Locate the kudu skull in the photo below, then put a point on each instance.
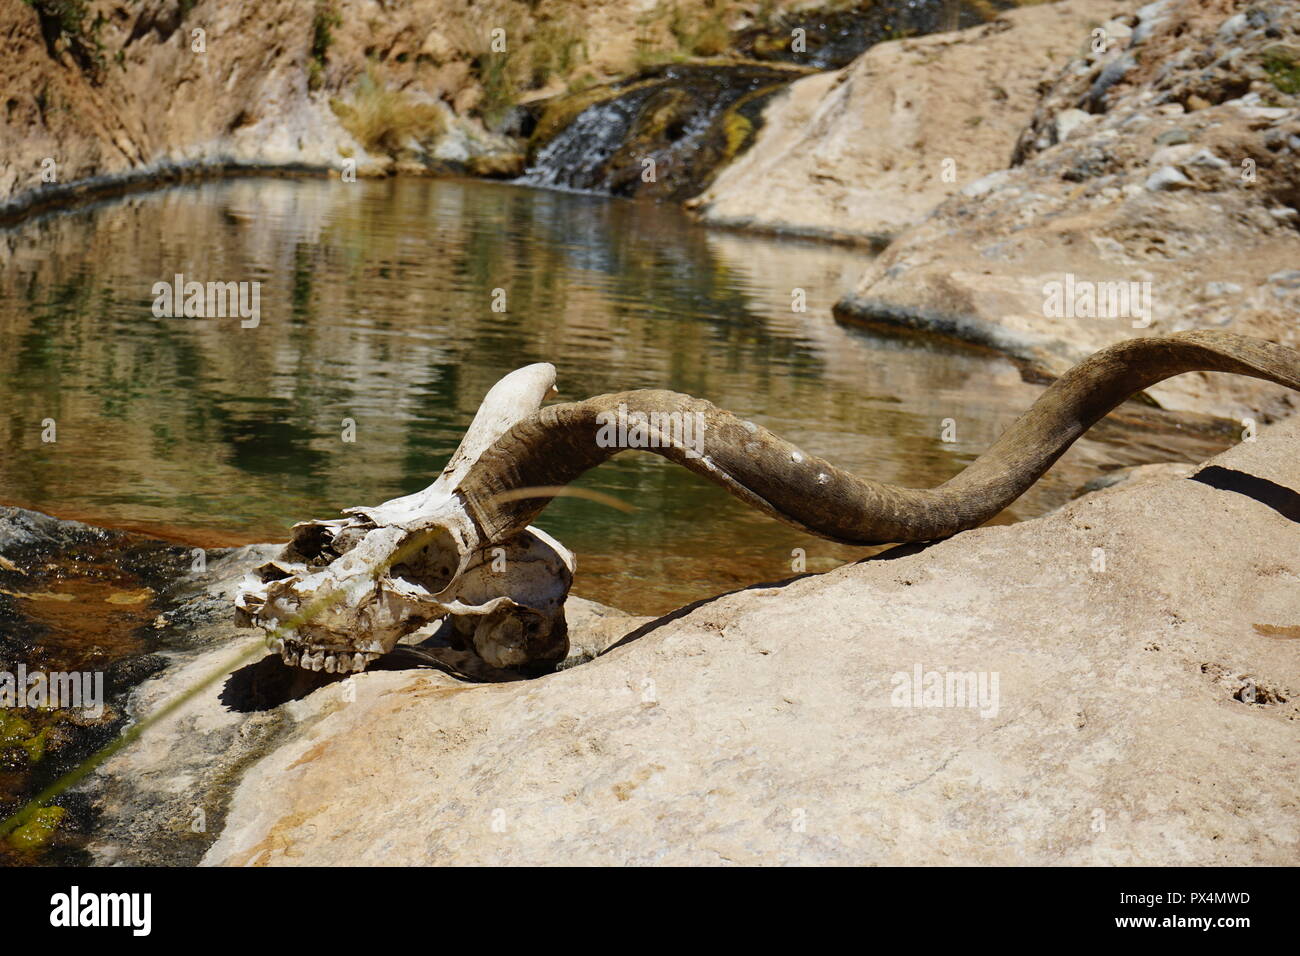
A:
(344, 591)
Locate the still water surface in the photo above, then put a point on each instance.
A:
(376, 306)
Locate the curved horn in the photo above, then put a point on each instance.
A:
(557, 444)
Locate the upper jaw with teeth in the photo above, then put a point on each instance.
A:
(330, 660)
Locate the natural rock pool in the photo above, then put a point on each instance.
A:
(376, 305)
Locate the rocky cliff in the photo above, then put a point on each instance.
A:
(1165, 170)
(98, 91)
(104, 93)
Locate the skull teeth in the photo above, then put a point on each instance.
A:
(316, 659)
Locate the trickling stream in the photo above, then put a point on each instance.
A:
(661, 135)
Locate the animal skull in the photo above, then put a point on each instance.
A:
(346, 590)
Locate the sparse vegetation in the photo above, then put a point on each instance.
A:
(499, 75)
(672, 33)
(1284, 72)
(324, 21)
(649, 53)
(383, 120)
(554, 48)
(700, 32)
(68, 22)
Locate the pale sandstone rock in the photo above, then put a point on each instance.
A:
(1150, 191)
(1068, 122)
(759, 728)
(860, 152)
(1167, 177)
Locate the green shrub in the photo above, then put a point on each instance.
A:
(325, 21)
(66, 21)
(554, 49)
(700, 33)
(1284, 72)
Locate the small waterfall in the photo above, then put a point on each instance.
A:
(676, 116)
(575, 159)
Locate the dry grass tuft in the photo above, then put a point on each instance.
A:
(384, 119)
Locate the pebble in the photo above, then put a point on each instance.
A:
(1264, 112)
(1233, 26)
(1117, 29)
(1172, 155)
(1067, 121)
(1167, 177)
(985, 184)
(1149, 17)
(1114, 71)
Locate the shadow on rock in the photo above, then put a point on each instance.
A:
(268, 683)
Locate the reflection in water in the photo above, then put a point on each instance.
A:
(376, 306)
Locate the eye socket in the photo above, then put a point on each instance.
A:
(433, 561)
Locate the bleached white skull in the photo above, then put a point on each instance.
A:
(346, 590)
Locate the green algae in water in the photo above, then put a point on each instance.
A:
(17, 731)
(13, 729)
(38, 830)
(738, 130)
(35, 745)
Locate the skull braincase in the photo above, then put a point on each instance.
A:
(345, 590)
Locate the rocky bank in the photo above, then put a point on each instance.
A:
(103, 94)
(1167, 164)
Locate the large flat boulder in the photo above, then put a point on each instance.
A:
(860, 152)
(1136, 651)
